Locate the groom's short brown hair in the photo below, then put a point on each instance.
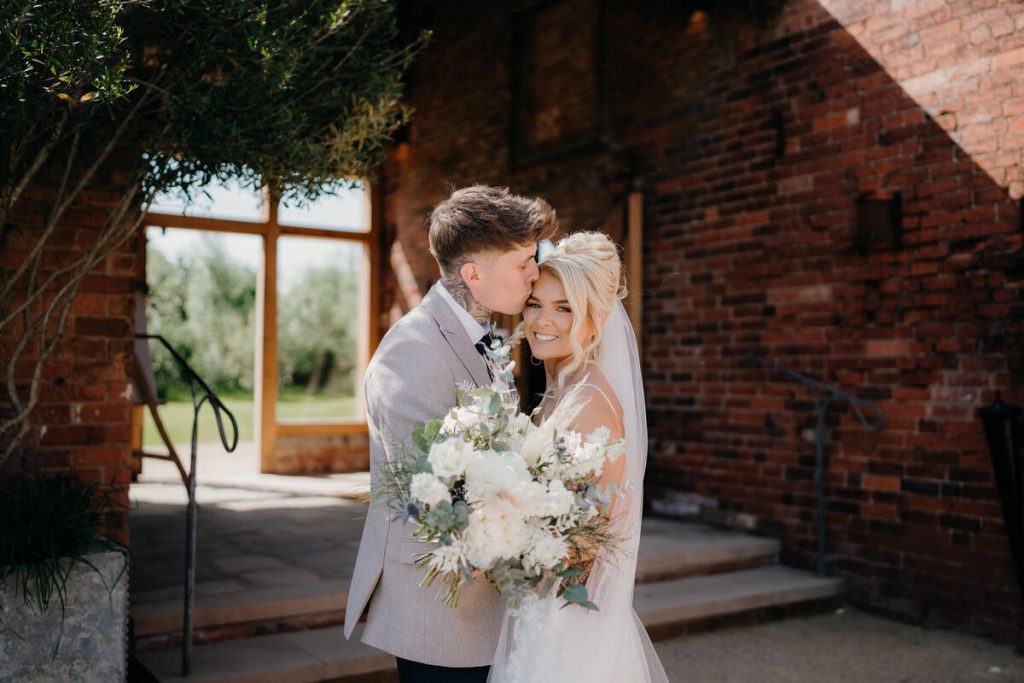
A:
(482, 218)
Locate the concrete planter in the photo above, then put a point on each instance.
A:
(94, 645)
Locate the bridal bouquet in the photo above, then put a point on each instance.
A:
(503, 497)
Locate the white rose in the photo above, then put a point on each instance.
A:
(429, 489)
(459, 420)
(448, 458)
(469, 416)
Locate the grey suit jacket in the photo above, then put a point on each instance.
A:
(412, 379)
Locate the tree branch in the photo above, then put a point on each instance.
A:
(62, 207)
(113, 238)
(41, 157)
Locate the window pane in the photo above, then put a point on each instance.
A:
(346, 211)
(202, 300)
(227, 200)
(321, 324)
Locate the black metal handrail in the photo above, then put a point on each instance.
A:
(824, 395)
(200, 396)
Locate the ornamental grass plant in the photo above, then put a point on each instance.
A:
(49, 524)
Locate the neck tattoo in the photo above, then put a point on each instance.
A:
(460, 292)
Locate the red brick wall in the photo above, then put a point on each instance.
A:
(83, 421)
(753, 139)
(322, 454)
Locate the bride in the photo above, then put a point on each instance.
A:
(575, 322)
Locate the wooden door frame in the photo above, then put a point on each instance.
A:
(265, 391)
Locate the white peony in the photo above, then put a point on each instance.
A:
(545, 550)
(489, 474)
(448, 458)
(429, 489)
(496, 530)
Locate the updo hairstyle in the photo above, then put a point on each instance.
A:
(590, 270)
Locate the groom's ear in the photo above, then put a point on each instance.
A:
(470, 273)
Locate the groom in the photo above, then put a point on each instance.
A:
(484, 240)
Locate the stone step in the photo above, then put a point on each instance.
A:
(301, 657)
(666, 608)
(220, 615)
(668, 550)
(669, 608)
(671, 549)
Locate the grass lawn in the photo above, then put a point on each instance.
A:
(292, 404)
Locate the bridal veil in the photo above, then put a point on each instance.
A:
(543, 642)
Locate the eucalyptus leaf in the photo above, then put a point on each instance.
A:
(427, 435)
(577, 595)
(460, 511)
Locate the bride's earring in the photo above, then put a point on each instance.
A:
(536, 362)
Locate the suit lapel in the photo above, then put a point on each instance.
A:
(455, 334)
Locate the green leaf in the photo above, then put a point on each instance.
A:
(427, 435)
(422, 464)
(441, 517)
(577, 595)
(461, 511)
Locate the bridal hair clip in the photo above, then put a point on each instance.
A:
(544, 248)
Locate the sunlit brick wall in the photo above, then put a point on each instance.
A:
(753, 138)
(83, 421)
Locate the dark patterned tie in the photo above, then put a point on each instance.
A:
(481, 347)
(484, 343)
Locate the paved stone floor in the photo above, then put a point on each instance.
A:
(254, 531)
(263, 531)
(848, 646)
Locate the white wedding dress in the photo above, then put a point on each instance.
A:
(540, 641)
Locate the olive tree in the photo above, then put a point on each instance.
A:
(167, 96)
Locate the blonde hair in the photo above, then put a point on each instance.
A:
(590, 270)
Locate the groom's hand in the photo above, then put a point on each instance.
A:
(476, 574)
